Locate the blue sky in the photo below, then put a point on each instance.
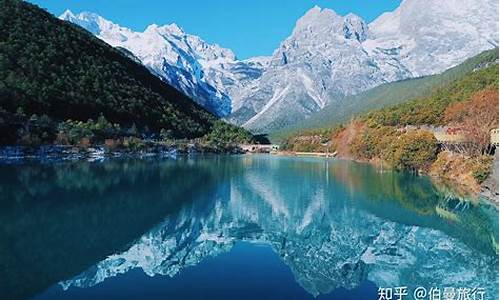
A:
(248, 27)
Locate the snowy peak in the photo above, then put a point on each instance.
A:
(317, 19)
(163, 35)
(98, 25)
(414, 16)
(326, 21)
(170, 29)
(67, 15)
(326, 57)
(329, 56)
(87, 20)
(355, 28)
(317, 33)
(434, 35)
(180, 59)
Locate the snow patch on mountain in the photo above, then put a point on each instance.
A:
(323, 60)
(345, 55)
(205, 72)
(434, 35)
(327, 57)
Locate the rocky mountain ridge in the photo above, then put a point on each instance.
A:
(326, 58)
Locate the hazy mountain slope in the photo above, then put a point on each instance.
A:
(50, 67)
(328, 56)
(393, 93)
(373, 134)
(322, 60)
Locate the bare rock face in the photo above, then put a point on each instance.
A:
(329, 56)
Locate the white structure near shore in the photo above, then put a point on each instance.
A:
(257, 148)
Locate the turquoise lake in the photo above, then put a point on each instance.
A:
(236, 227)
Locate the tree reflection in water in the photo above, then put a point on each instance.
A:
(334, 223)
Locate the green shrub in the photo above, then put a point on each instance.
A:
(482, 168)
(414, 150)
(430, 110)
(96, 131)
(373, 142)
(317, 140)
(223, 133)
(133, 144)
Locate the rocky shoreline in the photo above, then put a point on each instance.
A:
(54, 153)
(68, 153)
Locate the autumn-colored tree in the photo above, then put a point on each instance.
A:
(477, 116)
(373, 142)
(454, 112)
(414, 150)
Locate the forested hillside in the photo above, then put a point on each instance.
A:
(52, 71)
(404, 136)
(431, 110)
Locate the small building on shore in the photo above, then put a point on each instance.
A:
(257, 148)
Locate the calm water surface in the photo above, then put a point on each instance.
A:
(240, 227)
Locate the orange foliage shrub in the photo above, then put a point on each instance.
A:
(477, 116)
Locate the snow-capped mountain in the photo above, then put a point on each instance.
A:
(321, 61)
(206, 72)
(326, 57)
(431, 36)
(329, 56)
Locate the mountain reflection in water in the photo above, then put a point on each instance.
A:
(334, 224)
